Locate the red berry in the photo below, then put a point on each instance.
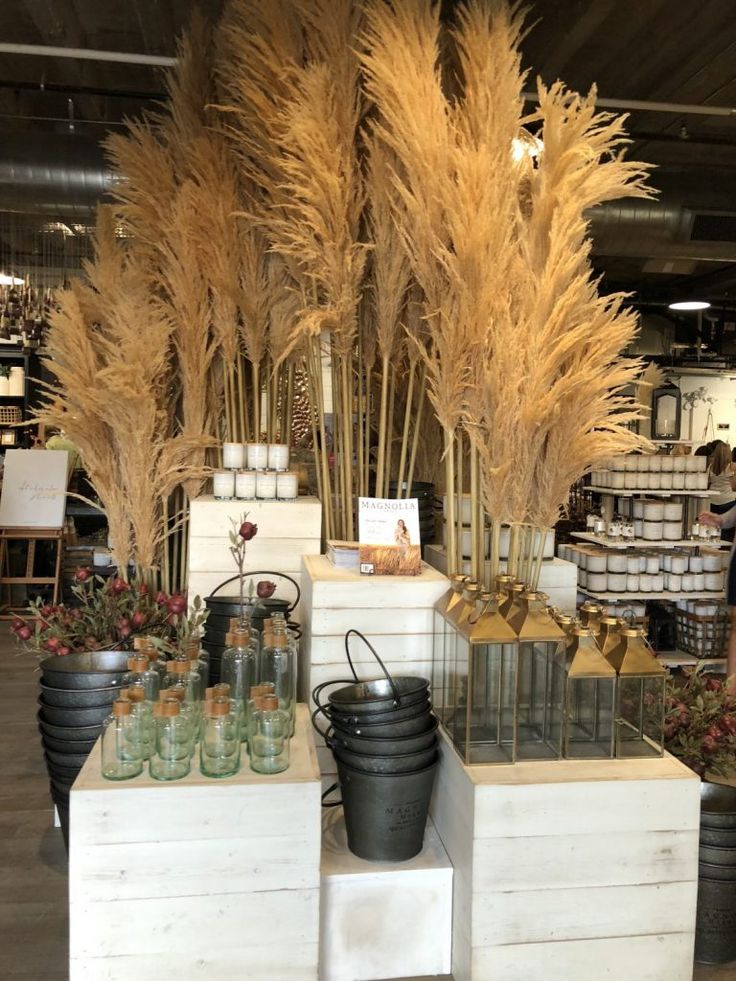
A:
(161, 598)
(708, 744)
(124, 632)
(265, 589)
(24, 633)
(248, 531)
(82, 575)
(52, 644)
(728, 723)
(16, 625)
(177, 603)
(715, 732)
(143, 589)
(63, 651)
(138, 619)
(119, 586)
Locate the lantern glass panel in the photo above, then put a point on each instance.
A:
(541, 701)
(439, 669)
(590, 699)
(640, 716)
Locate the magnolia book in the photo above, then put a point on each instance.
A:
(389, 537)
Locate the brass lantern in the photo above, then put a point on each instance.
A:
(512, 602)
(608, 634)
(640, 697)
(590, 697)
(541, 684)
(591, 615)
(480, 700)
(441, 635)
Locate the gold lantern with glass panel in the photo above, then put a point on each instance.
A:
(640, 697)
(590, 698)
(591, 615)
(608, 634)
(441, 640)
(541, 684)
(479, 682)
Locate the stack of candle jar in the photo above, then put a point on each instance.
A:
(636, 471)
(255, 471)
(603, 570)
(166, 708)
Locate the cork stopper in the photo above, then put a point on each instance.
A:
(123, 694)
(222, 690)
(269, 703)
(158, 710)
(209, 692)
(179, 667)
(278, 641)
(139, 663)
(120, 707)
(257, 691)
(170, 708)
(176, 691)
(193, 645)
(136, 693)
(237, 637)
(219, 707)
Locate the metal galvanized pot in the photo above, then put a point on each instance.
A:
(715, 928)
(68, 733)
(372, 718)
(71, 716)
(97, 669)
(395, 730)
(406, 763)
(78, 697)
(382, 746)
(68, 747)
(385, 813)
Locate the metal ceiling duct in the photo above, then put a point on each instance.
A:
(53, 174)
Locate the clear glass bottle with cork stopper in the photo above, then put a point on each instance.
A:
(268, 738)
(187, 710)
(122, 753)
(183, 672)
(142, 710)
(156, 656)
(278, 667)
(219, 751)
(239, 669)
(140, 671)
(222, 690)
(171, 759)
(199, 657)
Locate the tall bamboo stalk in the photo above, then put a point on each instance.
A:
(449, 453)
(408, 411)
(390, 430)
(417, 427)
(381, 459)
(476, 557)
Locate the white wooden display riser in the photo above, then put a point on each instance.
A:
(394, 612)
(381, 919)
(214, 876)
(558, 578)
(286, 531)
(561, 865)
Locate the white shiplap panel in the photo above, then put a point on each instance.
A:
(265, 962)
(340, 589)
(232, 865)
(548, 916)
(332, 623)
(279, 554)
(595, 859)
(393, 649)
(194, 924)
(658, 957)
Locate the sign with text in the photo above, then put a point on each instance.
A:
(388, 531)
(34, 489)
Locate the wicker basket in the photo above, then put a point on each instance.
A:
(9, 414)
(703, 636)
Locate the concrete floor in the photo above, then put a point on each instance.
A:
(33, 881)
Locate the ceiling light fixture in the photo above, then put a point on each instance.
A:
(689, 305)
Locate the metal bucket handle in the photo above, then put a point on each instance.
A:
(318, 689)
(265, 572)
(326, 734)
(331, 790)
(374, 652)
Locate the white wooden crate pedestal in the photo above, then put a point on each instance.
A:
(383, 919)
(197, 878)
(394, 612)
(569, 870)
(558, 578)
(286, 531)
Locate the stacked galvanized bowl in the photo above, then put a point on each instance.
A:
(76, 695)
(384, 739)
(715, 933)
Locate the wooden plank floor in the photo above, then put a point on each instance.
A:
(33, 880)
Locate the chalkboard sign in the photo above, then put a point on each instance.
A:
(34, 489)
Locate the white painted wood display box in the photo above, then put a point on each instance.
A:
(198, 878)
(286, 531)
(394, 612)
(570, 870)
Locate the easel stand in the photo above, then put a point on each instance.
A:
(30, 536)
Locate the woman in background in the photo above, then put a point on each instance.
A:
(720, 480)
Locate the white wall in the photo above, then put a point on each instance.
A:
(723, 409)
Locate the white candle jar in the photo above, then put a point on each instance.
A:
(631, 462)
(265, 485)
(223, 485)
(652, 564)
(652, 531)
(678, 464)
(671, 530)
(672, 511)
(688, 582)
(597, 581)
(617, 582)
(666, 482)
(658, 582)
(701, 480)
(655, 463)
(653, 511)
(632, 583)
(655, 480)
(691, 481)
(695, 563)
(617, 562)
(645, 582)
(233, 456)
(278, 456)
(678, 481)
(699, 581)
(630, 480)
(643, 465)
(642, 561)
(257, 456)
(642, 480)
(711, 562)
(287, 486)
(667, 464)
(713, 580)
(616, 479)
(638, 527)
(245, 485)
(632, 564)
(691, 464)
(678, 564)
(674, 582)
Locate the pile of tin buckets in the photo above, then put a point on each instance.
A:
(715, 931)
(384, 739)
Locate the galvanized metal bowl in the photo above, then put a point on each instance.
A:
(394, 715)
(68, 733)
(96, 669)
(382, 730)
(381, 695)
(67, 747)
(388, 764)
(382, 745)
(78, 697)
(717, 805)
(71, 717)
(720, 837)
(717, 873)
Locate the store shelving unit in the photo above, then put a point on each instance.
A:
(636, 492)
(587, 536)
(664, 595)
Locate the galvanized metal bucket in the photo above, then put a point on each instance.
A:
(715, 928)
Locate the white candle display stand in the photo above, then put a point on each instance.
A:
(570, 870)
(218, 879)
(396, 614)
(286, 531)
(558, 578)
(383, 919)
